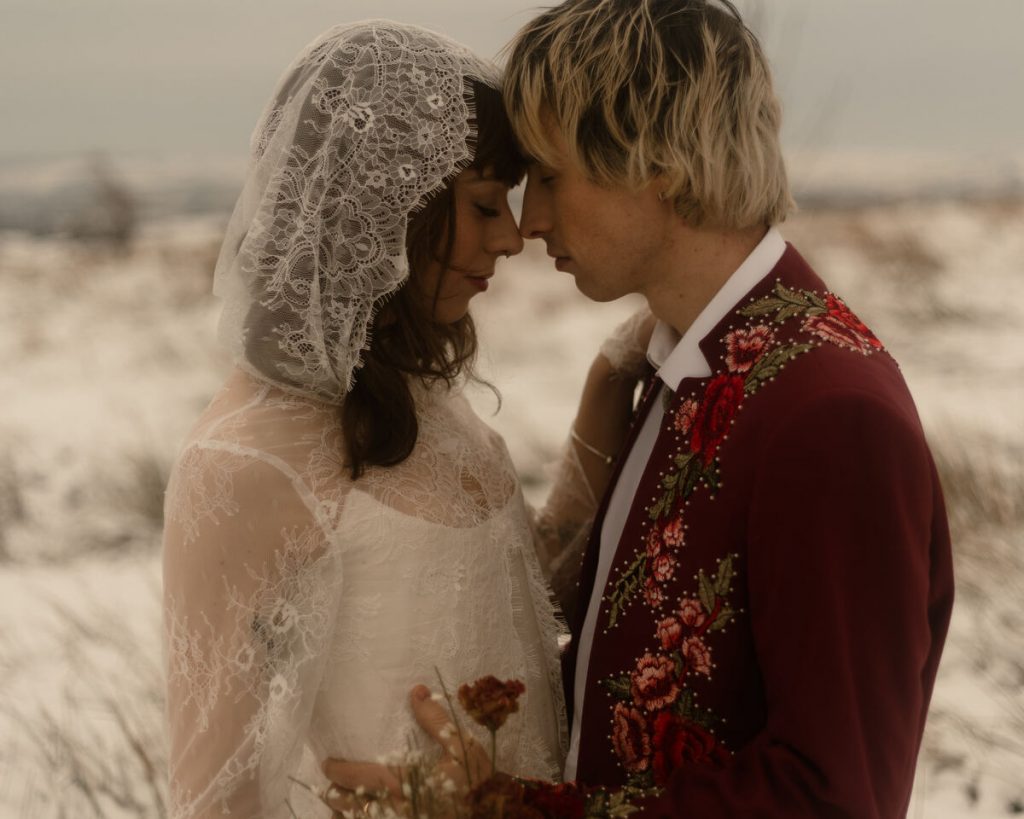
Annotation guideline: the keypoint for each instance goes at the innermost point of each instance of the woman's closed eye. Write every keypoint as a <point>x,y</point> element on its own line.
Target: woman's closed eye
<point>487,211</point>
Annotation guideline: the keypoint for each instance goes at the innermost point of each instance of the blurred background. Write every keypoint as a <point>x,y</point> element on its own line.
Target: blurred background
<point>125,126</point>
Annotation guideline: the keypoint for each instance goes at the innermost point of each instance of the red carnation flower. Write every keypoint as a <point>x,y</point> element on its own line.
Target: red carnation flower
<point>501,797</point>
<point>562,801</point>
<point>721,401</point>
<point>489,701</point>
<point>744,348</point>
<point>630,740</point>
<point>841,326</point>
<point>678,741</point>
<point>653,684</point>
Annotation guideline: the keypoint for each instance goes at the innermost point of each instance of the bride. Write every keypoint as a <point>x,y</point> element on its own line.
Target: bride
<point>339,522</point>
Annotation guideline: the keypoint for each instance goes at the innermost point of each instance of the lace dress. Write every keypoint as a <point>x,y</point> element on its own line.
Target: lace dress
<point>301,607</point>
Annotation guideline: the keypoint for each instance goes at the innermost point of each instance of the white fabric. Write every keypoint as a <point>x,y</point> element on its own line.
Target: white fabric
<point>675,358</point>
<point>301,607</point>
<point>366,121</point>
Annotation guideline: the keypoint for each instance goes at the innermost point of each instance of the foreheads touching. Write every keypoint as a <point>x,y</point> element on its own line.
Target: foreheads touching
<point>633,90</point>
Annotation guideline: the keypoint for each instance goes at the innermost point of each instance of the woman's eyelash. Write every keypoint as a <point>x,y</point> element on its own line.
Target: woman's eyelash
<point>490,213</point>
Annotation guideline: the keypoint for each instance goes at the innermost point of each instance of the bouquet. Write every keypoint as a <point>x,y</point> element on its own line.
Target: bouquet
<point>488,794</point>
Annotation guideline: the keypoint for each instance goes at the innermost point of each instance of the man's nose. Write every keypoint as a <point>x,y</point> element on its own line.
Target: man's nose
<point>535,221</point>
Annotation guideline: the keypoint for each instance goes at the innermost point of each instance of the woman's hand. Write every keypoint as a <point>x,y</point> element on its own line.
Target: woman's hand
<point>356,785</point>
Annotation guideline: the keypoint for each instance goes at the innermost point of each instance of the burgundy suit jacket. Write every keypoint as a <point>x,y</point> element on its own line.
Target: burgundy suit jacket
<point>772,623</point>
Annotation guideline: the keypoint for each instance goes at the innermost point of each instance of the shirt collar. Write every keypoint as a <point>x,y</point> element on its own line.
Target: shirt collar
<point>675,357</point>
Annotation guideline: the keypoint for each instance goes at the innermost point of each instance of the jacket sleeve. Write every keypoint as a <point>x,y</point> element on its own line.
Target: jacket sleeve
<point>250,597</point>
<point>562,525</point>
<point>850,592</point>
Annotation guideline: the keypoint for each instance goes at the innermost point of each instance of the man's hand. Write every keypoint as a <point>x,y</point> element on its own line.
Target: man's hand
<point>463,762</point>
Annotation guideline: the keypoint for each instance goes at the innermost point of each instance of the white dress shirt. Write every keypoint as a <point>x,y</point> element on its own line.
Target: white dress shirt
<point>675,359</point>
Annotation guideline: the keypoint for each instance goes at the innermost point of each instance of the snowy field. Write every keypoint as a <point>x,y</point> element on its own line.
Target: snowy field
<point>108,357</point>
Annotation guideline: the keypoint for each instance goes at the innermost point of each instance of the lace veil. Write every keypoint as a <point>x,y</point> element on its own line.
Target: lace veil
<point>368,120</point>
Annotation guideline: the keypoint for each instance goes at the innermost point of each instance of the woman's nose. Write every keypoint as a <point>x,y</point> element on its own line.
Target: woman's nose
<point>508,242</point>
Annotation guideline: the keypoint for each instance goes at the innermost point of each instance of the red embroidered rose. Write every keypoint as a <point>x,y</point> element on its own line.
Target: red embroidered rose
<point>679,741</point>
<point>691,612</point>
<point>841,326</point>
<point>489,701</point>
<point>629,738</point>
<point>670,633</point>
<point>663,567</point>
<point>653,684</point>
<point>697,655</point>
<point>672,534</point>
<point>684,416</point>
<point>654,595</point>
<point>744,348</point>
<point>653,543</point>
<point>721,401</point>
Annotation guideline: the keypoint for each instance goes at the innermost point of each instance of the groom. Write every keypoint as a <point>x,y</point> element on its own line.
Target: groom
<point>764,598</point>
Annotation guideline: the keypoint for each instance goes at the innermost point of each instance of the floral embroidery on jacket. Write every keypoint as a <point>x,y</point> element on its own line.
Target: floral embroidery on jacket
<point>656,723</point>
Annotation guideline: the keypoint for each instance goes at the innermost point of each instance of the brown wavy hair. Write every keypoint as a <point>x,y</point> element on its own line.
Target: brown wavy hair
<point>378,416</point>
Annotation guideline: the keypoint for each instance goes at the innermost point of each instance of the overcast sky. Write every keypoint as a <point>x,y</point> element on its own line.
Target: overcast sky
<point>191,76</point>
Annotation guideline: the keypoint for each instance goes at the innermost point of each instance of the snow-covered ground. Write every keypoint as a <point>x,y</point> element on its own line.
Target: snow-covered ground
<point>107,358</point>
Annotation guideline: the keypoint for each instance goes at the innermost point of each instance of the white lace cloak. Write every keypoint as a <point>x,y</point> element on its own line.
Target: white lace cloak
<point>301,608</point>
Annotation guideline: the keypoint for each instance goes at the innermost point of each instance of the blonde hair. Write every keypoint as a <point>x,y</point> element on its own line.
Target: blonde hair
<point>638,89</point>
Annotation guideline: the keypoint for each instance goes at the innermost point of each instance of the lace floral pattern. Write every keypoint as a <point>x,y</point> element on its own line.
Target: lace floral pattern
<point>367,120</point>
<point>302,607</point>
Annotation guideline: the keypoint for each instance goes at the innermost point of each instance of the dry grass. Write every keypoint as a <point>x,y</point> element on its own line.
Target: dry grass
<point>101,750</point>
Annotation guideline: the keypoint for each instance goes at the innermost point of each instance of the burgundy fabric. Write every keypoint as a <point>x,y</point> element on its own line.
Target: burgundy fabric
<point>811,700</point>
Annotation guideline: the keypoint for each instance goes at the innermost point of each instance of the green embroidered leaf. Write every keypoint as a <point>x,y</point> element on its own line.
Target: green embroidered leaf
<point>677,658</point>
<point>724,579</point>
<point>618,687</point>
<point>640,784</point>
<point>791,296</point>
<point>706,592</point>
<point>711,477</point>
<point>692,478</point>
<point>817,301</point>
<point>595,805</point>
<point>788,312</point>
<point>725,616</point>
<point>816,311</point>
<point>762,307</point>
<point>670,480</point>
<point>684,705</point>
<point>655,511</point>
<point>619,804</point>
<point>626,586</point>
<point>683,460</point>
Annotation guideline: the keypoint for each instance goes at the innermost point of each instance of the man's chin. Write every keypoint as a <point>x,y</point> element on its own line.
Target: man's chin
<point>593,292</point>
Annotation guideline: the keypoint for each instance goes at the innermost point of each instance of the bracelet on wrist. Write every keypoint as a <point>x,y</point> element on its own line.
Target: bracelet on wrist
<point>604,456</point>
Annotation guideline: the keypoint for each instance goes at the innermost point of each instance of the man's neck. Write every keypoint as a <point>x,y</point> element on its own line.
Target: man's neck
<point>696,266</point>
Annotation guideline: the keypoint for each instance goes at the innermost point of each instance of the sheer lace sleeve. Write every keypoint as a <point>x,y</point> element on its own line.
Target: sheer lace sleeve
<point>250,596</point>
<point>562,525</point>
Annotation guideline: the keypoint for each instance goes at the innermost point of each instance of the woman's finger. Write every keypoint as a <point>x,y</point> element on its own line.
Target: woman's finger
<point>434,718</point>
<point>361,778</point>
